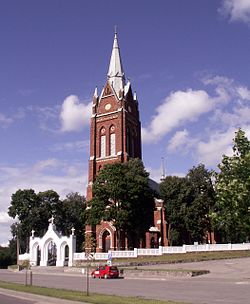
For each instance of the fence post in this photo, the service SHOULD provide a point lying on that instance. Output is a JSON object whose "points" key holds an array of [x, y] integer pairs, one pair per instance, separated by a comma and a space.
{"points": [[184, 248], [135, 252], [160, 250]]}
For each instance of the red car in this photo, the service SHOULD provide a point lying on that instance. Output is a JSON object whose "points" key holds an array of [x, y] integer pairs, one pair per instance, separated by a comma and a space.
{"points": [[105, 272]]}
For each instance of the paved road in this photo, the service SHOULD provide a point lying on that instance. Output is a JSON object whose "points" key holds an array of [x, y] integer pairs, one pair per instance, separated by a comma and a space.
{"points": [[5, 299], [14, 297], [228, 283]]}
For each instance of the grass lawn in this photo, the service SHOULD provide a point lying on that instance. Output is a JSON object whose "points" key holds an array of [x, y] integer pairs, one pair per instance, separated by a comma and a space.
{"points": [[183, 257], [81, 296]]}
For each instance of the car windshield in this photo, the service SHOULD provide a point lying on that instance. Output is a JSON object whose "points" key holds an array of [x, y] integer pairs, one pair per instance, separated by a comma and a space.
{"points": [[114, 268]]}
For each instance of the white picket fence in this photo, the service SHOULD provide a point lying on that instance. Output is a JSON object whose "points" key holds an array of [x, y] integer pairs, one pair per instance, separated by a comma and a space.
{"points": [[161, 250]]}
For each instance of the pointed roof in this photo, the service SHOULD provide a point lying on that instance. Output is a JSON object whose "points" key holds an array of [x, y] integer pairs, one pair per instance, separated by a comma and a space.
{"points": [[95, 93], [116, 75]]}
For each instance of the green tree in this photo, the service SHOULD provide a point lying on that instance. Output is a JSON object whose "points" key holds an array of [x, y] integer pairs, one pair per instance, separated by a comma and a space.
{"points": [[197, 217], [72, 215], [6, 258], [34, 210], [231, 215], [188, 201], [121, 194], [176, 194], [24, 205]]}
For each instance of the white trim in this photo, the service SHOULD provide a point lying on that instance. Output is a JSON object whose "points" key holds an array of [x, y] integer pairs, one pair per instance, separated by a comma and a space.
{"points": [[106, 114]]}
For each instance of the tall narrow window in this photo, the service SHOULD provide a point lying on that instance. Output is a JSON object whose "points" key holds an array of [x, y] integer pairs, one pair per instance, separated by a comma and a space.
{"points": [[112, 144], [103, 146], [133, 147], [133, 142]]}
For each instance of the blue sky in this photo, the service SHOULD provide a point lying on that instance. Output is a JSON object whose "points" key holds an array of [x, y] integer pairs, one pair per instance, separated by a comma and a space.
{"points": [[188, 61]]}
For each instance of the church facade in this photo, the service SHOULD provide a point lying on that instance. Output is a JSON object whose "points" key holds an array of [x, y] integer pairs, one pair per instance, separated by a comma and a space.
{"points": [[115, 136]]}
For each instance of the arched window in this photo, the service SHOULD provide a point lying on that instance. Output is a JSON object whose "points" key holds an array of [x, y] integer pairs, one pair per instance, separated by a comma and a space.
{"points": [[103, 143], [112, 141]]}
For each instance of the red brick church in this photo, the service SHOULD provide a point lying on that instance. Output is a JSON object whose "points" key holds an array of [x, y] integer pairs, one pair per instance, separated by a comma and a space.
{"points": [[115, 136]]}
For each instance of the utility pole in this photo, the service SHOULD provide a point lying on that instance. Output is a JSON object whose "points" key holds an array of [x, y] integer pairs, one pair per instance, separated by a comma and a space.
{"points": [[88, 248]]}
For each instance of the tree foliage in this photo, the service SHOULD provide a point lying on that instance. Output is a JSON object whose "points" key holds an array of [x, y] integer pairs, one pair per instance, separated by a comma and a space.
{"points": [[34, 210], [188, 201], [121, 194], [203, 200], [6, 258], [231, 215], [72, 214], [175, 192]]}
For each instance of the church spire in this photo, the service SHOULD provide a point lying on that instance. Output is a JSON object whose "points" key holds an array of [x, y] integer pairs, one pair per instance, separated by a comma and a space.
{"points": [[115, 73]]}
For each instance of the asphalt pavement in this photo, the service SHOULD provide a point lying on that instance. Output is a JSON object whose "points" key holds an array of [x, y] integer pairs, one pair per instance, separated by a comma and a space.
{"points": [[227, 283], [16, 297]]}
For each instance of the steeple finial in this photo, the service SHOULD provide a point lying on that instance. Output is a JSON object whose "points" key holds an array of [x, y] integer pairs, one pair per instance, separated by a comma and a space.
{"points": [[115, 73], [95, 93]]}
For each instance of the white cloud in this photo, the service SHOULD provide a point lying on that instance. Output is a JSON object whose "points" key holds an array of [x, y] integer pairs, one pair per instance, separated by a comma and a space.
{"points": [[74, 115], [244, 93], [48, 117], [4, 218], [45, 164], [178, 108], [224, 121], [227, 108], [5, 121], [237, 10], [181, 140], [235, 117], [210, 152], [220, 143], [78, 146], [156, 174], [224, 88], [65, 178]]}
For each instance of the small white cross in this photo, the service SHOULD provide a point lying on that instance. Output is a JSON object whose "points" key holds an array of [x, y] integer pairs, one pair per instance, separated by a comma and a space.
{"points": [[32, 232], [73, 230], [51, 220]]}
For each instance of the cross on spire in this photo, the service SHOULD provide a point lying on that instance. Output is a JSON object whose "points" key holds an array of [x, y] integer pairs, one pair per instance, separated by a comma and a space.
{"points": [[115, 73]]}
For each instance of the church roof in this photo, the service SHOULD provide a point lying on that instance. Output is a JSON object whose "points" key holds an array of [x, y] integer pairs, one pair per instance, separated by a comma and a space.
{"points": [[154, 185], [116, 75]]}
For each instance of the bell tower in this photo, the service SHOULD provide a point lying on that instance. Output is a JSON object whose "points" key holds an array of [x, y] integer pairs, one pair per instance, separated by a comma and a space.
{"points": [[115, 136], [115, 128]]}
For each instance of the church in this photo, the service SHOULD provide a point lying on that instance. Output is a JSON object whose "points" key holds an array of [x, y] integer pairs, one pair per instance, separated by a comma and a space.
{"points": [[115, 136]]}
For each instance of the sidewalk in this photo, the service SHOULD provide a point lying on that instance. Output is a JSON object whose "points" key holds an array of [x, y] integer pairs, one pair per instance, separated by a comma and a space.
{"points": [[36, 298]]}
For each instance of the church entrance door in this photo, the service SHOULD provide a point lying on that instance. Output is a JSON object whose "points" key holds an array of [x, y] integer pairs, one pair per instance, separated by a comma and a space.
{"points": [[106, 241], [66, 256], [38, 256], [52, 256]]}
